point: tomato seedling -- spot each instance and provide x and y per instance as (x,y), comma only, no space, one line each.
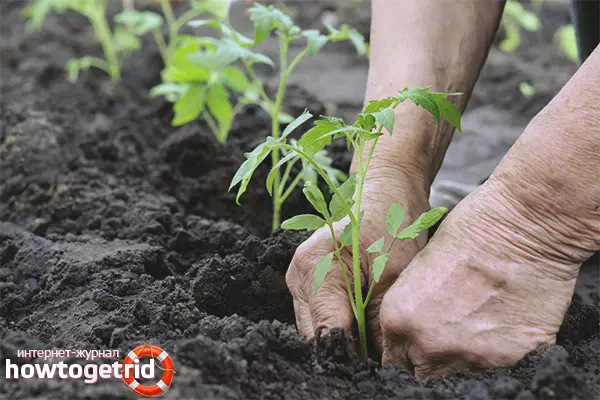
(346,199)
(116,43)
(206,72)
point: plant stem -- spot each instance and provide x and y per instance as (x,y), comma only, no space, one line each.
(185,18)
(283,60)
(360,315)
(285,73)
(323,174)
(343,267)
(291,188)
(213,126)
(162,45)
(171,23)
(104,35)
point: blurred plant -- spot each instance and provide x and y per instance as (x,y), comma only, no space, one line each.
(514,18)
(567,41)
(526,89)
(346,200)
(116,43)
(205,72)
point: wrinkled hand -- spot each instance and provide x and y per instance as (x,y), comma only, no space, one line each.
(330,306)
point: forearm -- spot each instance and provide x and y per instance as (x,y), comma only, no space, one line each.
(561,149)
(416,43)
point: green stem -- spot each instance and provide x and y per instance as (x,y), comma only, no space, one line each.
(213,126)
(104,35)
(291,188)
(286,174)
(185,18)
(162,45)
(325,177)
(171,23)
(360,307)
(286,71)
(256,81)
(343,267)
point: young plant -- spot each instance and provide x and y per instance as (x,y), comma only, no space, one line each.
(346,199)
(515,17)
(206,73)
(142,22)
(116,44)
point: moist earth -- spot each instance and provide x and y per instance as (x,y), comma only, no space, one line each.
(118,230)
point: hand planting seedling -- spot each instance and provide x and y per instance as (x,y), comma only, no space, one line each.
(345,202)
(116,43)
(205,72)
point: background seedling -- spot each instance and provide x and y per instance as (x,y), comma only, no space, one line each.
(346,199)
(116,44)
(206,72)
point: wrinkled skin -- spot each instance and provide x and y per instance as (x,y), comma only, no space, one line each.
(497,278)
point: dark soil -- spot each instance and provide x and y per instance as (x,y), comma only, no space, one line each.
(119,231)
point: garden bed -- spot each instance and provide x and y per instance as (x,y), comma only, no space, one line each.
(117,230)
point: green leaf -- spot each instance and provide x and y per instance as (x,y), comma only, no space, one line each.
(235,79)
(164,89)
(346,236)
(378,266)
(267,19)
(376,246)
(323,267)
(189,105)
(220,107)
(317,137)
(182,70)
(315,197)
(218,8)
(244,173)
(423,223)
(448,111)
(378,105)
(315,40)
(305,116)
(394,218)
(347,191)
(307,222)
(347,33)
(141,22)
(126,42)
(386,118)
(435,103)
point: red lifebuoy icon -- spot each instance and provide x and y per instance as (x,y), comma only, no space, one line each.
(167,366)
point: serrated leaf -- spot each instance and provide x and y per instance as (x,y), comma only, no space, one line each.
(305,116)
(379,266)
(448,111)
(244,173)
(218,8)
(189,105)
(267,19)
(347,33)
(315,197)
(220,107)
(376,246)
(308,222)
(394,218)
(423,223)
(315,41)
(181,70)
(386,117)
(235,79)
(317,137)
(347,191)
(378,105)
(434,103)
(346,236)
(323,267)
